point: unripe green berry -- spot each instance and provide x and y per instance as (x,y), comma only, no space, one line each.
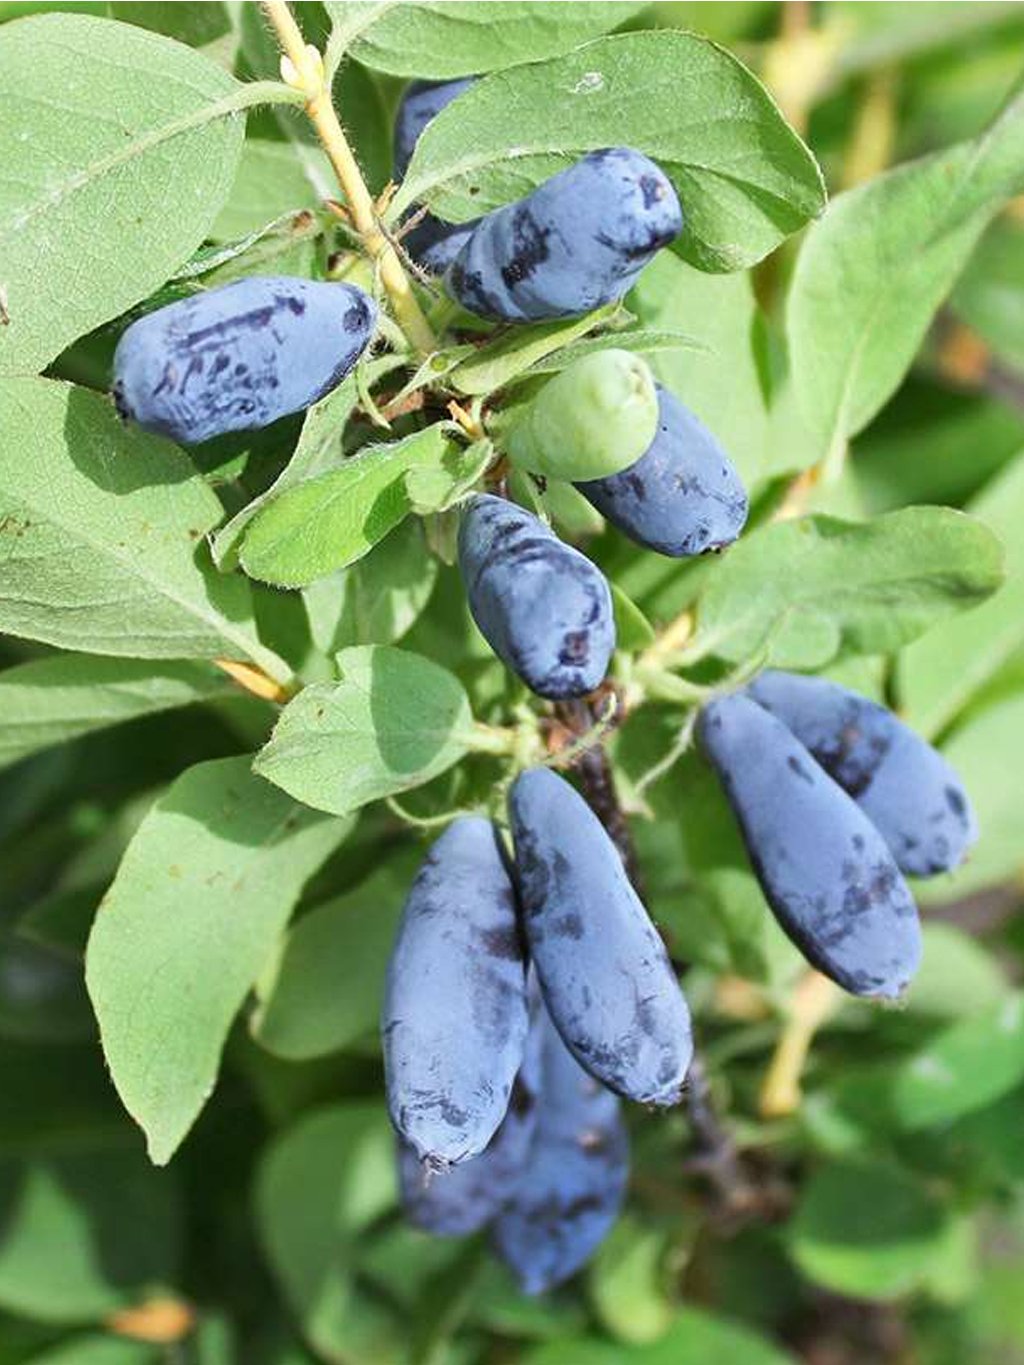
(594,419)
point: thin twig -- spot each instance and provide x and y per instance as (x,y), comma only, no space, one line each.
(302,67)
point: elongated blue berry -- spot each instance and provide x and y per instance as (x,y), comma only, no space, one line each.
(578,241)
(907,789)
(574,1180)
(824,868)
(603,970)
(421,102)
(683,496)
(458,1200)
(455,1016)
(543,607)
(432,243)
(239,357)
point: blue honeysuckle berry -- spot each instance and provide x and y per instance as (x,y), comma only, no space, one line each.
(905,787)
(825,870)
(574,1180)
(576,242)
(683,496)
(455,1014)
(603,970)
(543,607)
(239,357)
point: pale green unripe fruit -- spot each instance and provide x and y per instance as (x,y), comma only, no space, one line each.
(595,418)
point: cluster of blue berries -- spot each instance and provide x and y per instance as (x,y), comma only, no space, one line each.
(527,994)
(522,998)
(836,800)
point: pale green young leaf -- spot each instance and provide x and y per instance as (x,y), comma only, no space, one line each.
(938,675)
(444,40)
(744,178)
(807,590)
(203,891)
(119,148)
(319,449)
(871,274)
(494,364)
(102,530)
(329,521)
(394,721)
(54,700)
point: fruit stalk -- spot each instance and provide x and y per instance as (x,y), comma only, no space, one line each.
(304,70)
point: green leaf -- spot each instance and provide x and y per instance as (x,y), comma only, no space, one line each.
(629,1284)
(865,1230)
(329,521)
(938,675)
(990,294)
(85,1233)
(871,274)
(633,631)
(745,179)
(51,701)
(498,362)
(101,533)
(318,449)
(377,600)
(318,1187)
(809,589)
(443,40)
(957,976)
(202,893)
(394,721)
(988,754)
(273,180)
(348,939)
(964,1067)
(95,211)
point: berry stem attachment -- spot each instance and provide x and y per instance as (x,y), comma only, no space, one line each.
(302,68)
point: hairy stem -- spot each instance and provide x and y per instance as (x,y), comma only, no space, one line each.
(304,69)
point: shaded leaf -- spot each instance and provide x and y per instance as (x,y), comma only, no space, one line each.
(50,701)
(201,895)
